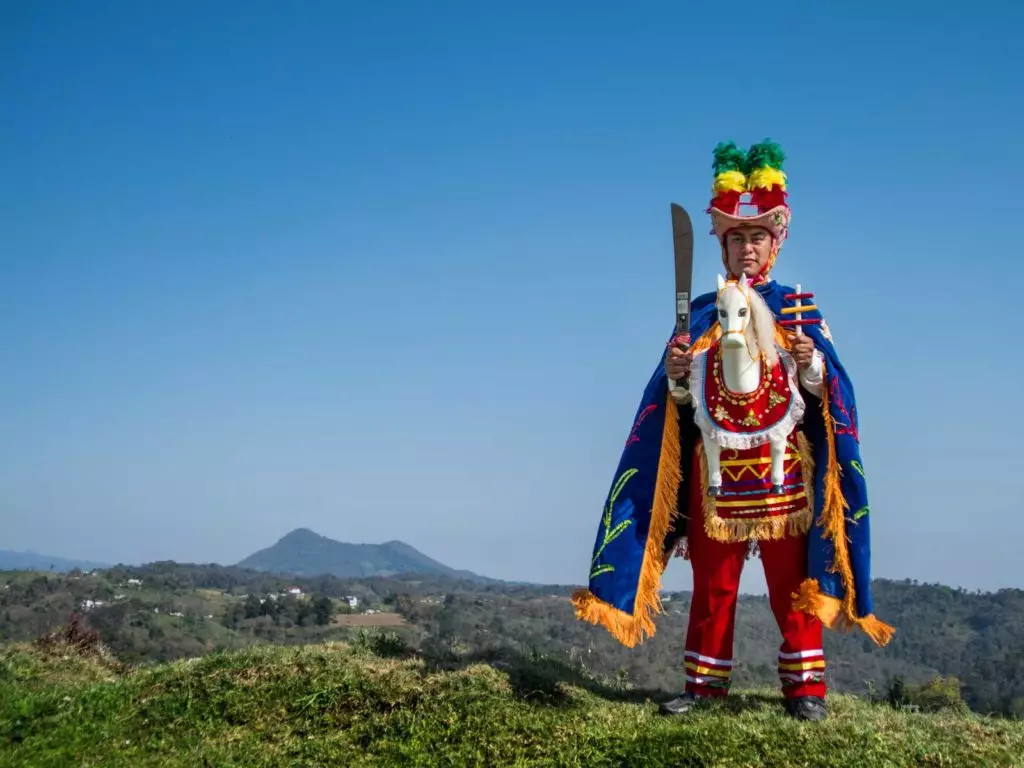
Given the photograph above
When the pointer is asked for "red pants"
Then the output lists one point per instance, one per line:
(716, 580)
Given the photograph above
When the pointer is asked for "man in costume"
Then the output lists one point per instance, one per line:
(812, 533)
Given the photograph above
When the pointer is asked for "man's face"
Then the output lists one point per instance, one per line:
(748, 250)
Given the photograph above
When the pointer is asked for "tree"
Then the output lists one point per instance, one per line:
(306, 613)
(233, 616)
(287, 611)
(939, 694)
(253, 607)
(323, 610)
(270, 608)
(1016, 708)
(897, 695)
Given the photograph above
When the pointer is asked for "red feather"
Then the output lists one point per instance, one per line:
(726, 201)
(766, 199)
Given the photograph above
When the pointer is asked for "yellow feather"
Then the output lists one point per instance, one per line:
(730, 181)
(765, 178)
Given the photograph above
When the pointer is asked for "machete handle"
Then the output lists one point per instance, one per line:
(680, 389)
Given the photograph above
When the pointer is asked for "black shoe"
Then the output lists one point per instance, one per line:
(679, 705)
(807, 708)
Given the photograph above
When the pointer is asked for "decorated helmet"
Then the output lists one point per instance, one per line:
(751, 179)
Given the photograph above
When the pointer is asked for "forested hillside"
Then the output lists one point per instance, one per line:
(166, 611)
(305, 552)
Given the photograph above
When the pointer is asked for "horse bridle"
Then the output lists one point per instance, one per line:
(746, 320)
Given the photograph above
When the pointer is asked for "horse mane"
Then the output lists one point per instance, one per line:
(761, 331)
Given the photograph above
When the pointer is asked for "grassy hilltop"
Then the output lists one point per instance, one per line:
(372, 703)
(168, 611)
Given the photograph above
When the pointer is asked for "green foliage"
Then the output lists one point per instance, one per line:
(972, 637)
(942, 693)
(898, 696)
(323, 610)
(253, 607)
(334, 705)
(388, 645)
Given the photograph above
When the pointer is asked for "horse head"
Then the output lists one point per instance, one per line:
(745, 319)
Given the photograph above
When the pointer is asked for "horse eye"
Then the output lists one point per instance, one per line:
(743, 312)
(722, 313)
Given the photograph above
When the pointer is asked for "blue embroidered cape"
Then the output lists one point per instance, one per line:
(644, 514)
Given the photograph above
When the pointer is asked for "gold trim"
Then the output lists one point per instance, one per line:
(768, 502)
(707, 670)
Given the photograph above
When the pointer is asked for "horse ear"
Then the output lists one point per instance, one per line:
(721, 283)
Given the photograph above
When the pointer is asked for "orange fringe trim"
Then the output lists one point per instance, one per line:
(630, 630)
(810, 599)
(833, 514)
(761, 527)
(831, 612)
(703, 344)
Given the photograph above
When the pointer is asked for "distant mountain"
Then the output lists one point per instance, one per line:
(33, 561)
(306, 553)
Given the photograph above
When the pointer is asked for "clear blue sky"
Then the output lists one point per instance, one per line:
(402, 270)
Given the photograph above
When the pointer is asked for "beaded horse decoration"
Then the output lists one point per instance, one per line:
(747, 402)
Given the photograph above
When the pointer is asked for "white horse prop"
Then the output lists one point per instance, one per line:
(743, 387)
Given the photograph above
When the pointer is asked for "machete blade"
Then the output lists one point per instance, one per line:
(682, 243)
(682, 240)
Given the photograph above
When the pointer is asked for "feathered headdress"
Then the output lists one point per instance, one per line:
(755, 174)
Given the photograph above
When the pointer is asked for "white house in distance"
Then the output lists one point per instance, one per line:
(294, 591)
(351, 600)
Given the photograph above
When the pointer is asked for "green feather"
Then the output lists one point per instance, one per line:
(766, 153)
(728, 157)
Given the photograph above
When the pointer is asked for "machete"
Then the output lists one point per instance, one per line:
(682, 240)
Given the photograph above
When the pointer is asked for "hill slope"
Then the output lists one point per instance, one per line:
(33, 561)
(337, 705)
(306, 553)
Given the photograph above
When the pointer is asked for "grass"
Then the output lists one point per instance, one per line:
(372, 703)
